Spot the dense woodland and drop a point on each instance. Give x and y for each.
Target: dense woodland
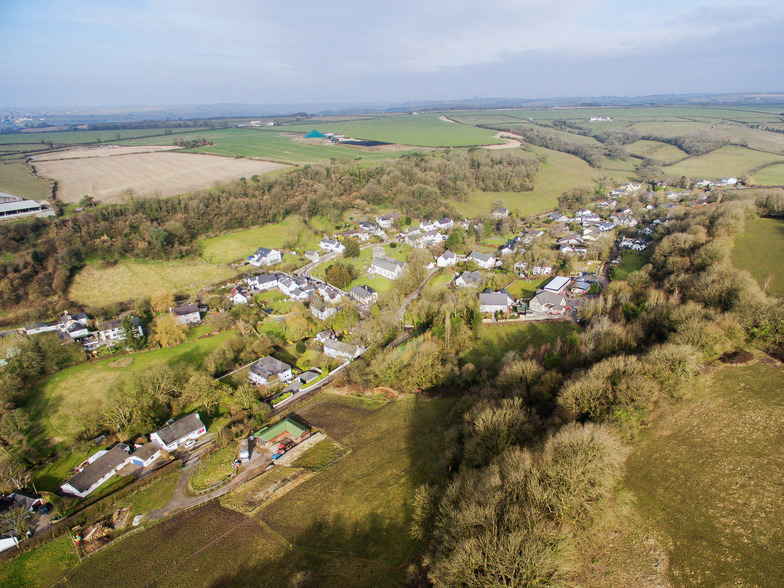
(42, 255)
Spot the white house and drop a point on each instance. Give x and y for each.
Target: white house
(312, 256)
(492, 302)
(38, 328)
(358, 234)
(73, 326)
(386, 267)
(339, 350)
(469, 280)
(171, 436)
(266, 369)
(444, 224)
(321, 310)
(146, 455)
(428, 225)
(112, 331)
(186, 314)
(238, 296)
(371, 228)
(332, 245)
(265, 257)
(500, 212)
(97, 472)
(325, 335)
(548, 302)
(541, 270)
(385, 221)
(558, 217)
(330, 293)
(447, 258)
(483, 260)
(263, 282)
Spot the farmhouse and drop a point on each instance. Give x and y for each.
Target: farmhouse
(181, 430)
(339, 350)
(267, 369)
(112, 331)
(386, 267)
(97, 472)
(331, 245)
(548, 302)
(364, 295)
(469, 280)
(492, 302)
(287, 429)
(264, 257)
(447, 258)
(145, 455)
(558, 284)
(500, 212)
(73, 326)
(483, 260)
(187, 314)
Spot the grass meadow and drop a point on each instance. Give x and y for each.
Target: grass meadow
(760, 250)
(496, 340)
(656, 150)
(772, 175)
(59, 400)
(16, 179)
(96, 285)
(82, 137)
(731, 160)
(42, 567)
(707, 477)
(630, 262)
(558, 173)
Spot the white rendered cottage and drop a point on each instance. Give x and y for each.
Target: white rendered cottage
(171, 436)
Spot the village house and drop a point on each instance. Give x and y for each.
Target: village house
(558, 217)
(112, 331)
(491, 302)
(312, 256)
(321, 310)
(38, 328)
(371, 228)
(187, 314)
(170, 437)
(325, 335)
(500, 212)
(332, 245)
(73, 326)
(469, 280)
(263, 282)
(447, 258)
(428, 225)
(287, 430)
(266, 370)
(385, 221)
(548, 302)
(340, 350)
(238, 295)
(444, 224)
(386, 267)
(364, 295)
(358, 234)
(541, 270)
(330, 293)
(98, 471)
(483, 260)
(531, 235)
(265, 257)
(591, 234)
(146, 455)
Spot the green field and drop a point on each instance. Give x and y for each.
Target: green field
(496, 340)
(82, 137)
(656, 150)
(707, 477)
(240, 244)
(772, 175)
(558, 173)
(526, 288)
(422, 130)
(40, 567)
(17, 180)
(131, 280)
(82, 389)
(214, 468)
(728, 161)
(760, 250)
(320, 455)
(630, 262)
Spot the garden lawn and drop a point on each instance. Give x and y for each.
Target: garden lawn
(527, 287)
(631, 261)
(363, 502)
(759, 249)
(707, 476)
(131, 280)
(496, 340)
(59, 401)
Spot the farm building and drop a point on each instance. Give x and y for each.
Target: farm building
(12, 207)
(580, 288)
(146, 455)
(558, 284)
(184, 429)
(187, 314)
(96, 473)
(267, 369)
(287, 429)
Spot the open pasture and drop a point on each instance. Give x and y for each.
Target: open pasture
(109, 179)
(772, 175)
(16, 179)
(760, 250)
(130, 280)
(421, 130)
(707, 478)
(730, 160)
(656, 150)
(83, 137)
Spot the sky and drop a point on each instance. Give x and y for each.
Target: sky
(162, 52)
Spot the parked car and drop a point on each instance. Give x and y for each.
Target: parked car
(189, 443)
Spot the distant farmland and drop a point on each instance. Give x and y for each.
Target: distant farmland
(108, 179)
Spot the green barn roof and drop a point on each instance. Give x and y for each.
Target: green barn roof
(289, 426)
(314, 134)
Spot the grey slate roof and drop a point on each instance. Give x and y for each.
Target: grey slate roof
(185, 309)
(478, 255)
(269, 366)
(544, 297)
(83, 480)
(180, 428)
(146, 451)
(389, 265)
(494, 299)
(363, 292)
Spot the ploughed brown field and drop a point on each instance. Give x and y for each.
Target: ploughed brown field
(110, 179)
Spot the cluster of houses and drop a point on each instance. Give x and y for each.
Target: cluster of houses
(104, 464)
(75, 327)
(550, 300)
